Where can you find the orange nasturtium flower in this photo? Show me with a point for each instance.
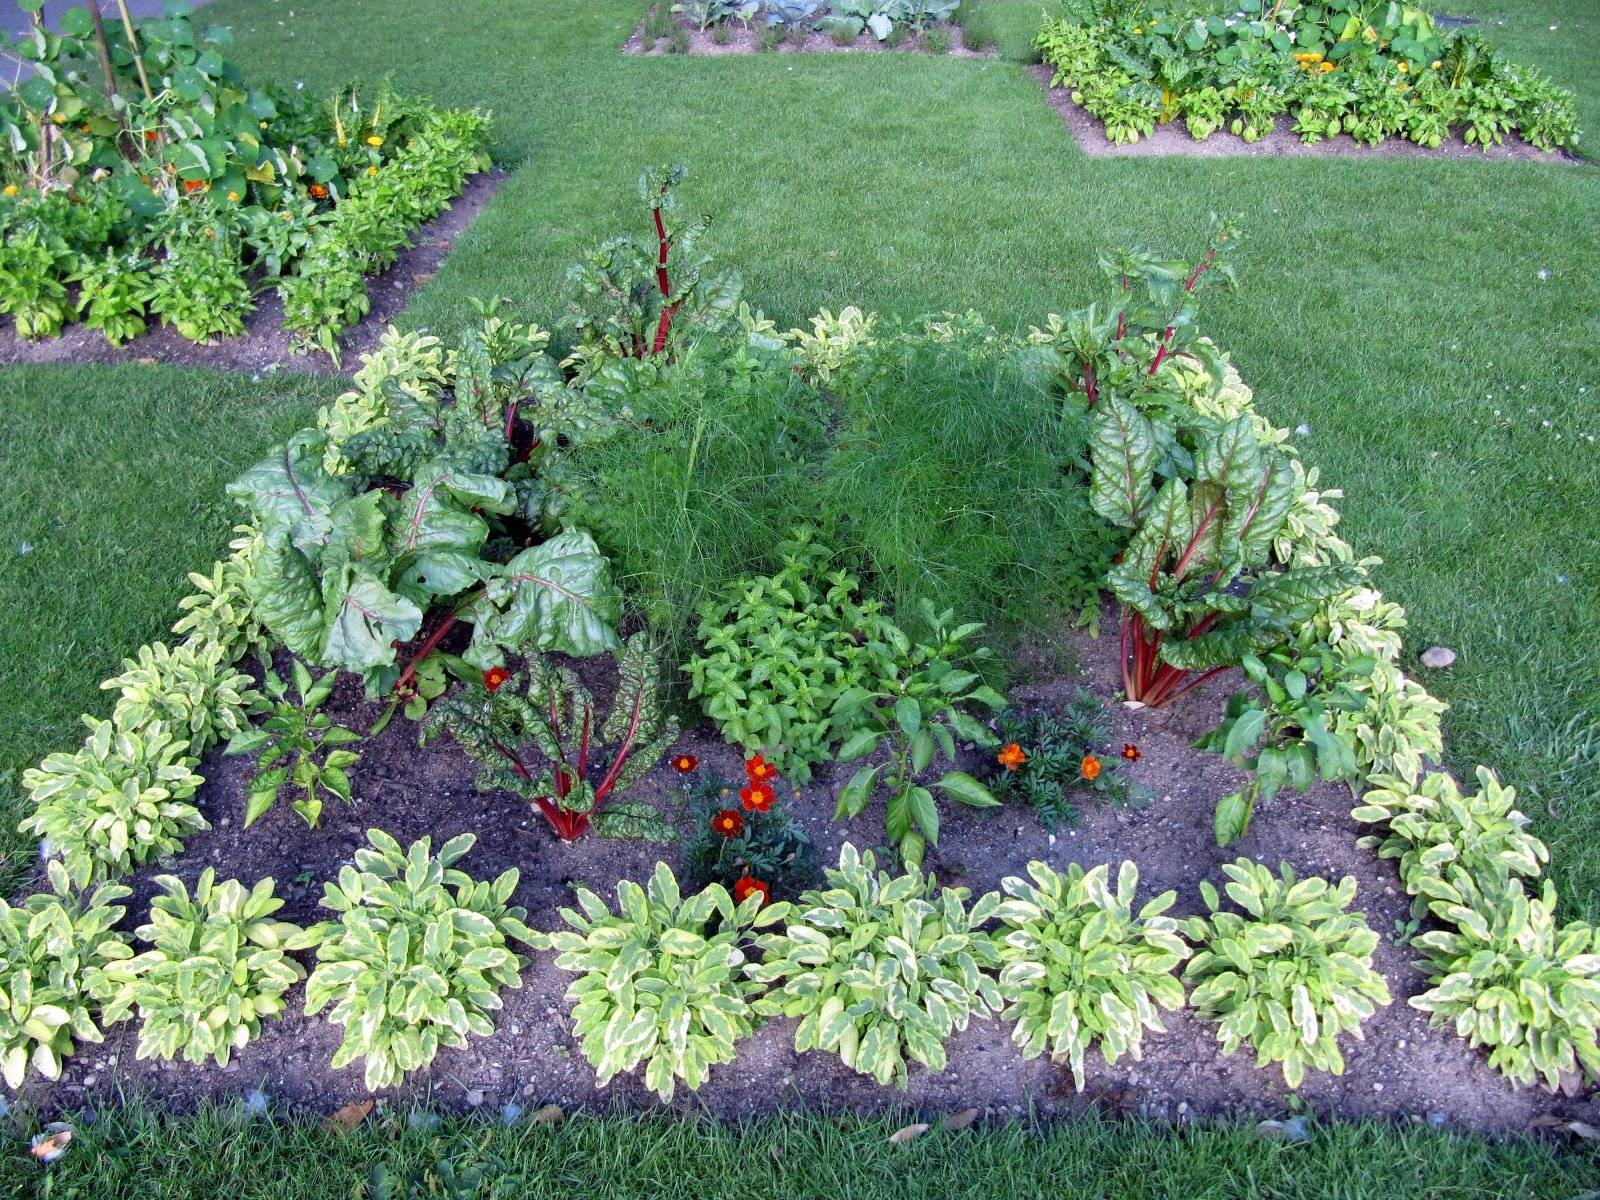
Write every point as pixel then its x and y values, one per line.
pixel 743 887
pixel 196 185
pixel 684 763
pixel 494 677
pixel 1089 767
pixel 1130 752
pixel 1011 756
pixel 759 769
pixel 728 823
pixel 318 191
pixel 757 797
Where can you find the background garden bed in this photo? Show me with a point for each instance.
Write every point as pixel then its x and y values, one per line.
pixel 1404 1069
pixel 265 342
pixel 1172 138
pixel 748 39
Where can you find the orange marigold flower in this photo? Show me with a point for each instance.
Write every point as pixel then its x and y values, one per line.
pixel 728 823
pixel 757 797
pixel 1130 752
pixel 685 763
pixel 1090 767
pixel 494 677
pixel 759 769
pixel 743 887
pixel 1011 757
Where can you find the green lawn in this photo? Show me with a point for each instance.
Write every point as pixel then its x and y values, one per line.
pixel 1435 324
pixel 138 1156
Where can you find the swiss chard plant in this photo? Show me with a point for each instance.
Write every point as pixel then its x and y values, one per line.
pixel 1290 974
pixel 218 966
pixel 1080 968
pixel 661 982
pixel 918 708
pixel 297 746
pixel 54 949
pixel 416 503
pixel 508 723
pixel 418 956
pixel 880 970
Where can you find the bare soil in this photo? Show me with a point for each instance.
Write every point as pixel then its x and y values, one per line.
pixel 746 39
pixel 265 343
pixel 1173 138
pixel 1403 1070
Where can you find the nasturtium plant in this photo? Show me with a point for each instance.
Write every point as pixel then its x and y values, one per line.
pixel 782 650
pixel 1080 968
pixel 1506 976
pixel 1437 832
pixel 54 947
pixel 661 982
pixel 1291 974
pixel 191 690
pixel 297 746
pixel 217 968
pixel 918 705
pixel 122 799
pixel 880 970
pixel 549 708
pixel 418 956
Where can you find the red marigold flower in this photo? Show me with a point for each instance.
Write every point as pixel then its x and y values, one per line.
pixel 1011 756
pixel 757 797
pixel 1090 767
pixel 494 677
pixel 685 763
pixel 728 823
pixel 759 769
pixel 744 886
pixel 1130 752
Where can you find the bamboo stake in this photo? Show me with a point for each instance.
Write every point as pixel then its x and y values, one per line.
pixel 133 47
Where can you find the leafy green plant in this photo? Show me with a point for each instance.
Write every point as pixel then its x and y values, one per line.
pixel 733 838
pixel 200 288
pixel 418 956
pixel 217 612
pixel 123 798
pixel 189 689
pixel 53 948
pixel 1050 758
pixel 296 745
pixel 1288 977
pixel 217 968
pixel 1509 978
pixel 633 300
pixel 1079 968
pixel 1438 833
pixel 31 286
pixel 493 722
pixel 916 707
pixel 113 292
pixel 660 982
pixel 779 654
pixel 880 970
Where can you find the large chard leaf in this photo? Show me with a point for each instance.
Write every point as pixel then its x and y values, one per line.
pixel 437 537
pixel 289 490
pixel 285 595
pixel 555 596
pixel 1166 531
pixel 362 620
pixel 1124 451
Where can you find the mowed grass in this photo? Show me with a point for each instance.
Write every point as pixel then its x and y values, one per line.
pixel 138 1155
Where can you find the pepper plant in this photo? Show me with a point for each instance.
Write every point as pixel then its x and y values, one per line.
pixel 1079 967
pixel 1290 975
pixel 418 956
pixel 296 745
pixel 916 708
pixel 493 722
pixel 217 968
pixel 661 981
pixel 54 948
pixel 880 970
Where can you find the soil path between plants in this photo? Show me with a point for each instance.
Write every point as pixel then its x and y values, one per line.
pixel 264 344
pixel 1404 1070
pixel 1173 138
